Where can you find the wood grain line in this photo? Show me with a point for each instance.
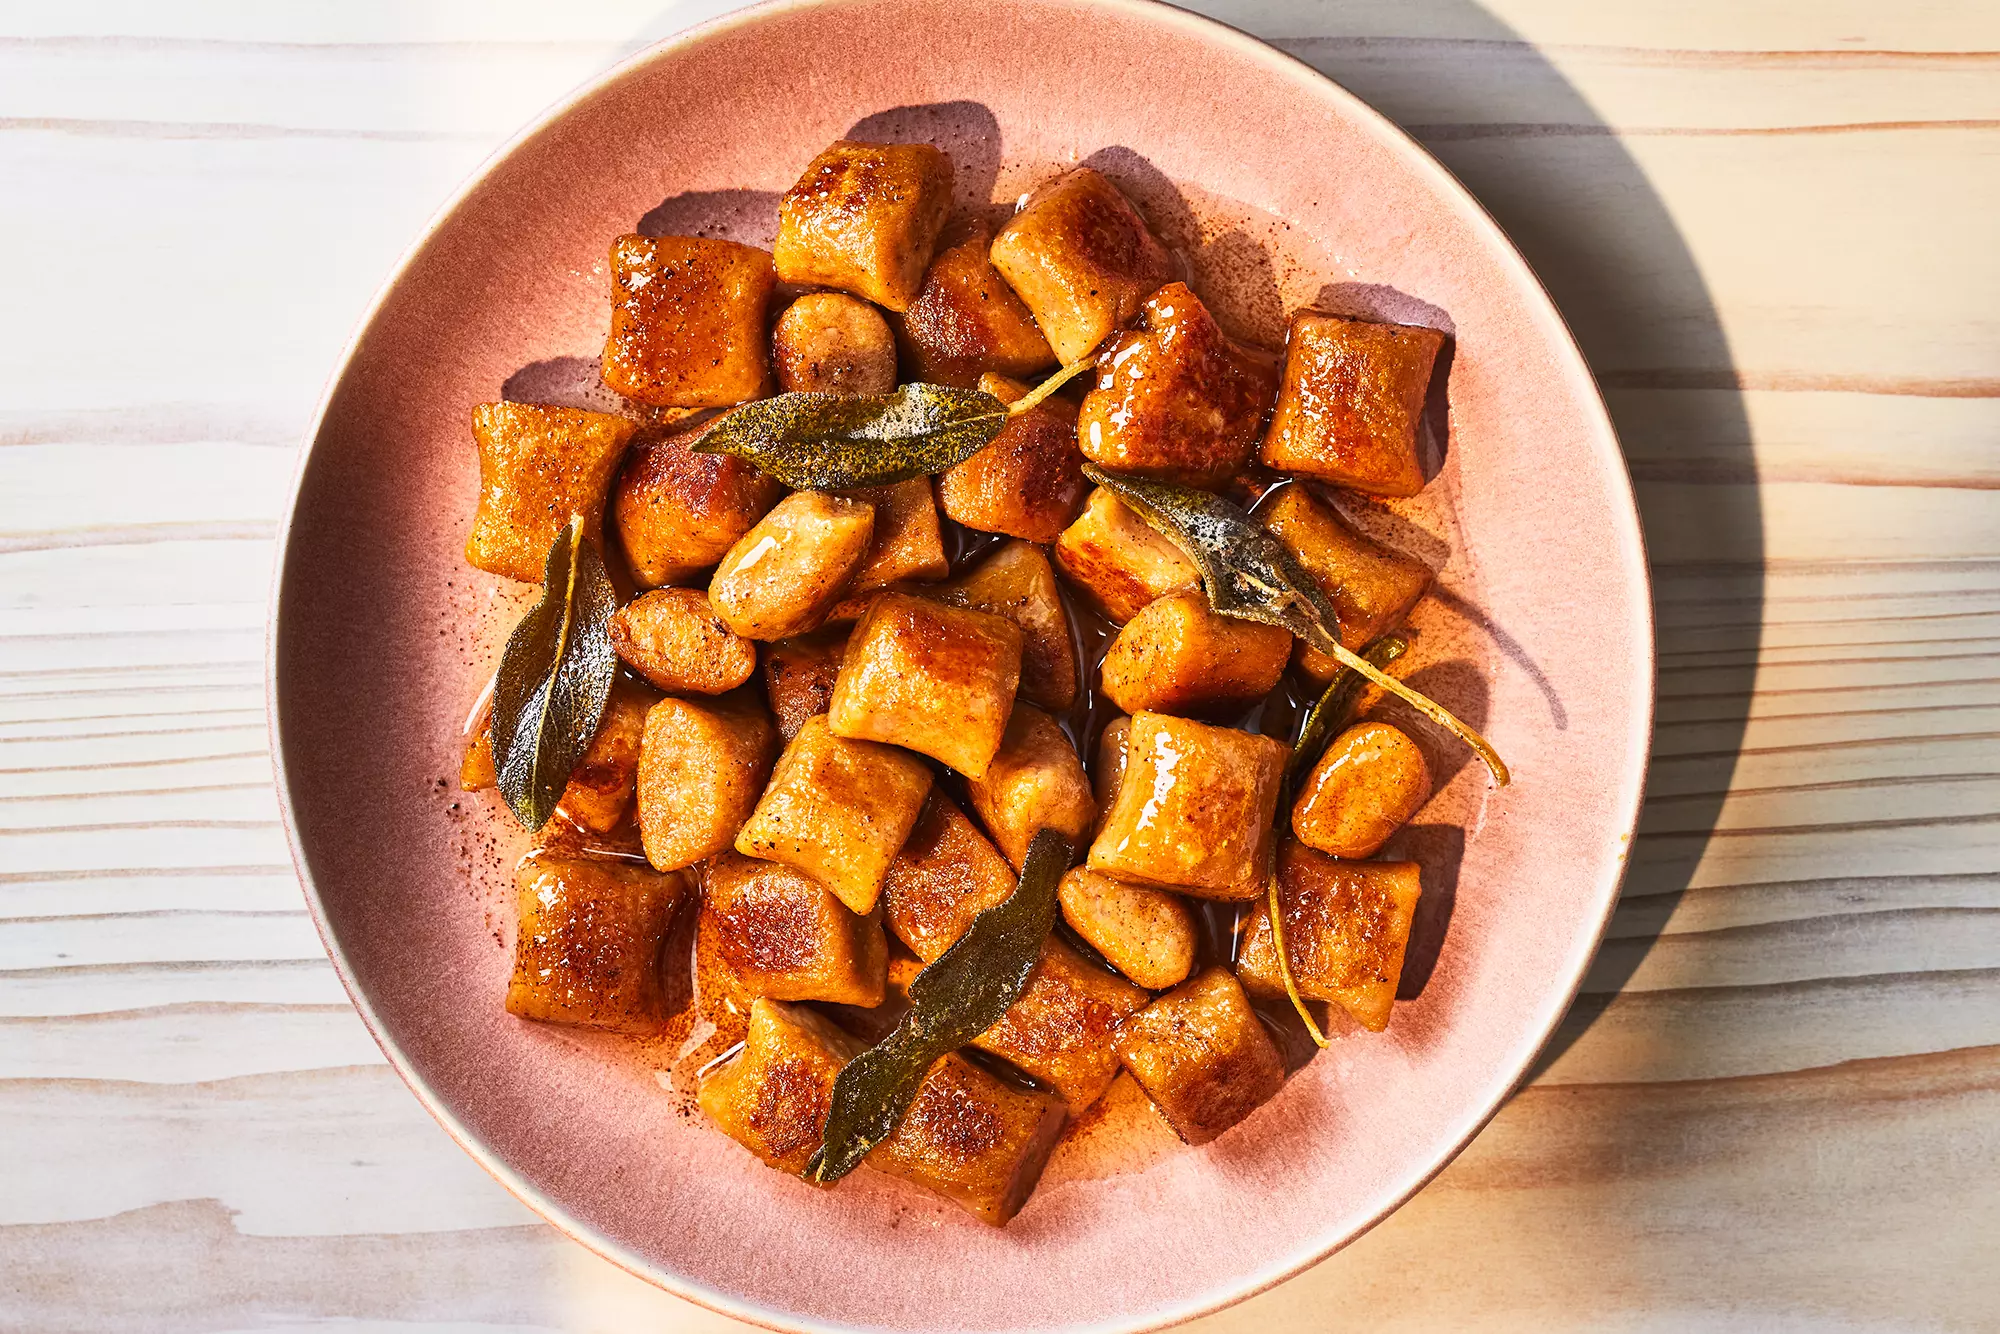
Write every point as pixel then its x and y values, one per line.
pixel 1822 827
pixel 1832 785
pixel 1804 747
pixel 127 826
pixel 206 129
pixel 136 764
pixel 1662 56
pixel 1800 382
pixel 1460 132
pixel 158 914
pixel 1769 692
pixel 136 534
pixel 190 789
pixel 161 731
pixel 143 872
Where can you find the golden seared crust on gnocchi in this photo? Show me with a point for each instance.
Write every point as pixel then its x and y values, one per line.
pixel 772 1096
pixel 864 218
pixel 1194 808
pixel 1176 398
pixel 679 512
pixel 1029 482
pixel 935 679
pixel 1347 928
pixel 832 343
pixel 974 1139
pixel 886 778
pixel 1060 1030
pixel 1035 781
pixel 1177 656
pixel 1202 1056
pixel 1018 583
pixel 537 467
pixel 784 575
pixel 587 947
pixel 1082 259
pixel 787 936
pixel 837 809
pixel 1349 403
pixel 701 768
pixel 1369 782
pixel 945 874
pixel 1117 561
pixel 687 321
pixel 1145 932
pixel 907 545
pixel 673 638
pixel 1372 588
pixel 965 322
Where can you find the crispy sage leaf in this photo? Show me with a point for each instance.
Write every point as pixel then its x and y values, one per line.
pixel 1249 574
pixel 823 442
pixel 953 1001
pixel 555 679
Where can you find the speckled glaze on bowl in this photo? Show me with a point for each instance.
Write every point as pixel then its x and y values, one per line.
pixel 1283 189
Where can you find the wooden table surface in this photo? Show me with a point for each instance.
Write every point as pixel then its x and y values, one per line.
pixel 1771 222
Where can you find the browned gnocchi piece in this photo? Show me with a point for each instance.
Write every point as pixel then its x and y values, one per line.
pixel 865 218
pixel 600 788
pixel 786 936
pixel 1176 398
pixel 1017 582
pixel 1372 588
pixel 1145 932
pixel 965 321
pixel 1061 1028
pixel 679 512
pixel 1194 808
pixel 973 1138
pixel 1202 1056
pixel 945 874
pixel 1118 561
pixel 701 768
pixel 1368 783
pixel 673 638
pixel 1082 260
pixel 799 675
pixel 587 946
pixel 1349 403
pixel 1108 772
pixel 537 467
pixel 687 321
pixel 1347 927
pixel 908 543
pixel 772 1097
pixel 832 343
pixel 1028 482
pixel 784 575
pixel 838 810
pixel 938 680
pixel 1177 656
pixel 1034 782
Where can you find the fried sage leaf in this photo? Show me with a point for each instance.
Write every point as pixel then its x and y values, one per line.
pixel 555 679
pixel 960 996
pixel 1249 574
pixel 824 442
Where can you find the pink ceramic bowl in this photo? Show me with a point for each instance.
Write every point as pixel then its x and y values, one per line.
pixel 1283 191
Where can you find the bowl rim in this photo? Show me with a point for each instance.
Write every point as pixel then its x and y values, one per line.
pixel 1624 519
